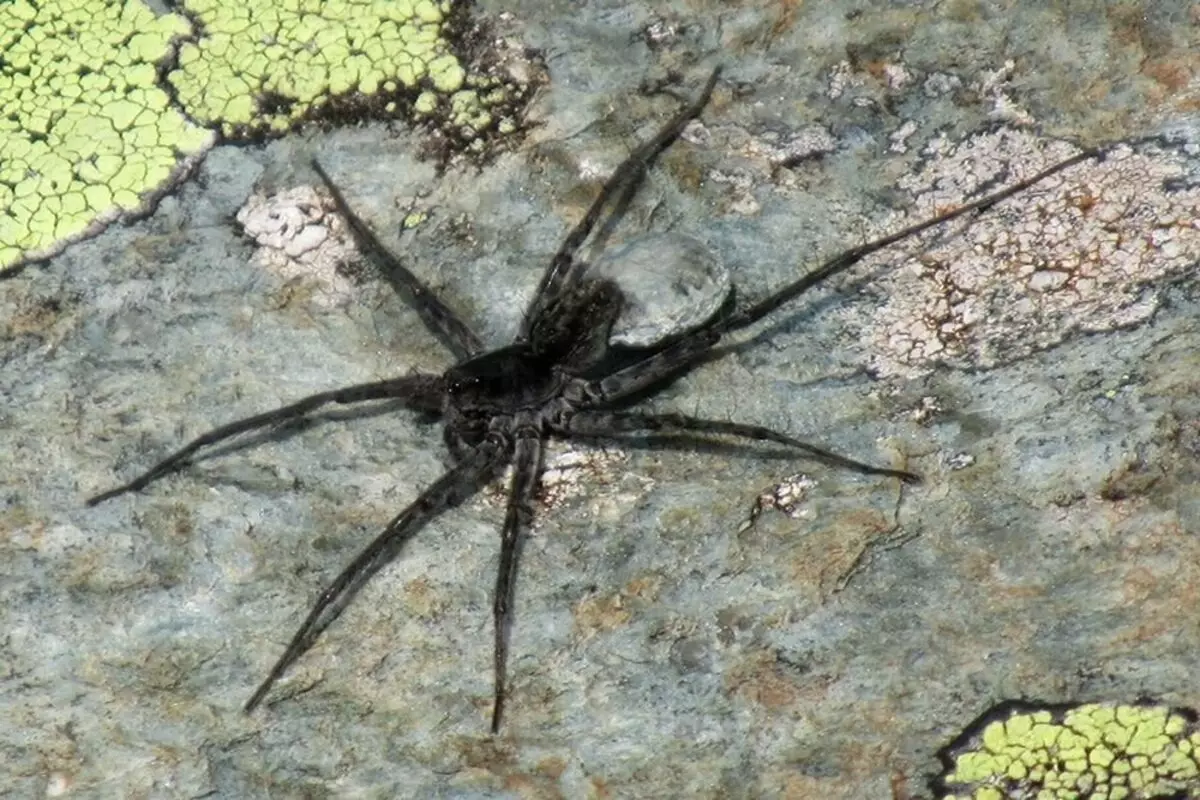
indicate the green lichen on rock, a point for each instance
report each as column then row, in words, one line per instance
column 91, row 132
column 89, row 135
column 263, row 66
column 1095, row 751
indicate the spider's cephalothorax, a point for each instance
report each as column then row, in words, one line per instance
column 500, row 406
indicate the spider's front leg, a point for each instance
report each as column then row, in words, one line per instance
column 418, row 392
column 563, row 273
column 843, row 262
column 527, row 469
column 451, row 490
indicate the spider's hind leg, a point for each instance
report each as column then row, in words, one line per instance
column 527, row 466
column 619, row 423
column 452, row 489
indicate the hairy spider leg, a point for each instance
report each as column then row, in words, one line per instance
column 452, row 489
column 437, row 316
column 843, row 262
column 527, row 469
column 418, row 392
column 659, row 366
column 628, row 176
column 608, row 423
column 656, row 367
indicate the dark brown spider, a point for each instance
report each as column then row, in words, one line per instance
column 500, row 406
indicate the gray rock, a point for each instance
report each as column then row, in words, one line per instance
column 659, row 650
column 672, row 283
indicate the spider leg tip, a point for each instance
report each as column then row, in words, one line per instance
column 97, row 499
column 497, row 712
column 254, row 702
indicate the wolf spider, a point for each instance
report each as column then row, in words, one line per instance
column 500, row 406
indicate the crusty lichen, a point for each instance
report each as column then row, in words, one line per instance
column 1094, row 751
column 263, row 66
column 1080, row 252
column 93, row 133
column 88, row 135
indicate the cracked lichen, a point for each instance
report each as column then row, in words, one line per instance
column 263, row 66
column 92, row 135
column 1083, row 251
column 88, row 135
column 1097, row 751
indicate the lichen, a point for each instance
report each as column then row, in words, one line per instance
column 89, row 136
column 1083, row 251
column 263, row 67
column 1094, row 751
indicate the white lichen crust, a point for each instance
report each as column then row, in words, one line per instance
column 1084, row 251
column 302, row 240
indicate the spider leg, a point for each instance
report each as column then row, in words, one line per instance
column 602, row 424
column 645, row 373
column 422, row 392
column 527, row 465
column 452, row 489
column 625, row 179
column 658, row 366
column 841, row 263
column 437, row 316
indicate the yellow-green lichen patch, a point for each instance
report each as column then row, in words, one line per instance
column 1094, row 751
column 263, row 66
column 87, row 135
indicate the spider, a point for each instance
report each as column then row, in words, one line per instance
column 556, row 379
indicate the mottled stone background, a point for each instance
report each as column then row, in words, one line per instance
column 1041, row 369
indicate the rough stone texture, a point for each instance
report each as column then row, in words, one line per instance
column 672, row 283
column 661, row 648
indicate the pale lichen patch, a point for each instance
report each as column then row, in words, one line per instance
column 302, row 239
column 1082, row 251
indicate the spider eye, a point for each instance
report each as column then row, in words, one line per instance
column 460, row 385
